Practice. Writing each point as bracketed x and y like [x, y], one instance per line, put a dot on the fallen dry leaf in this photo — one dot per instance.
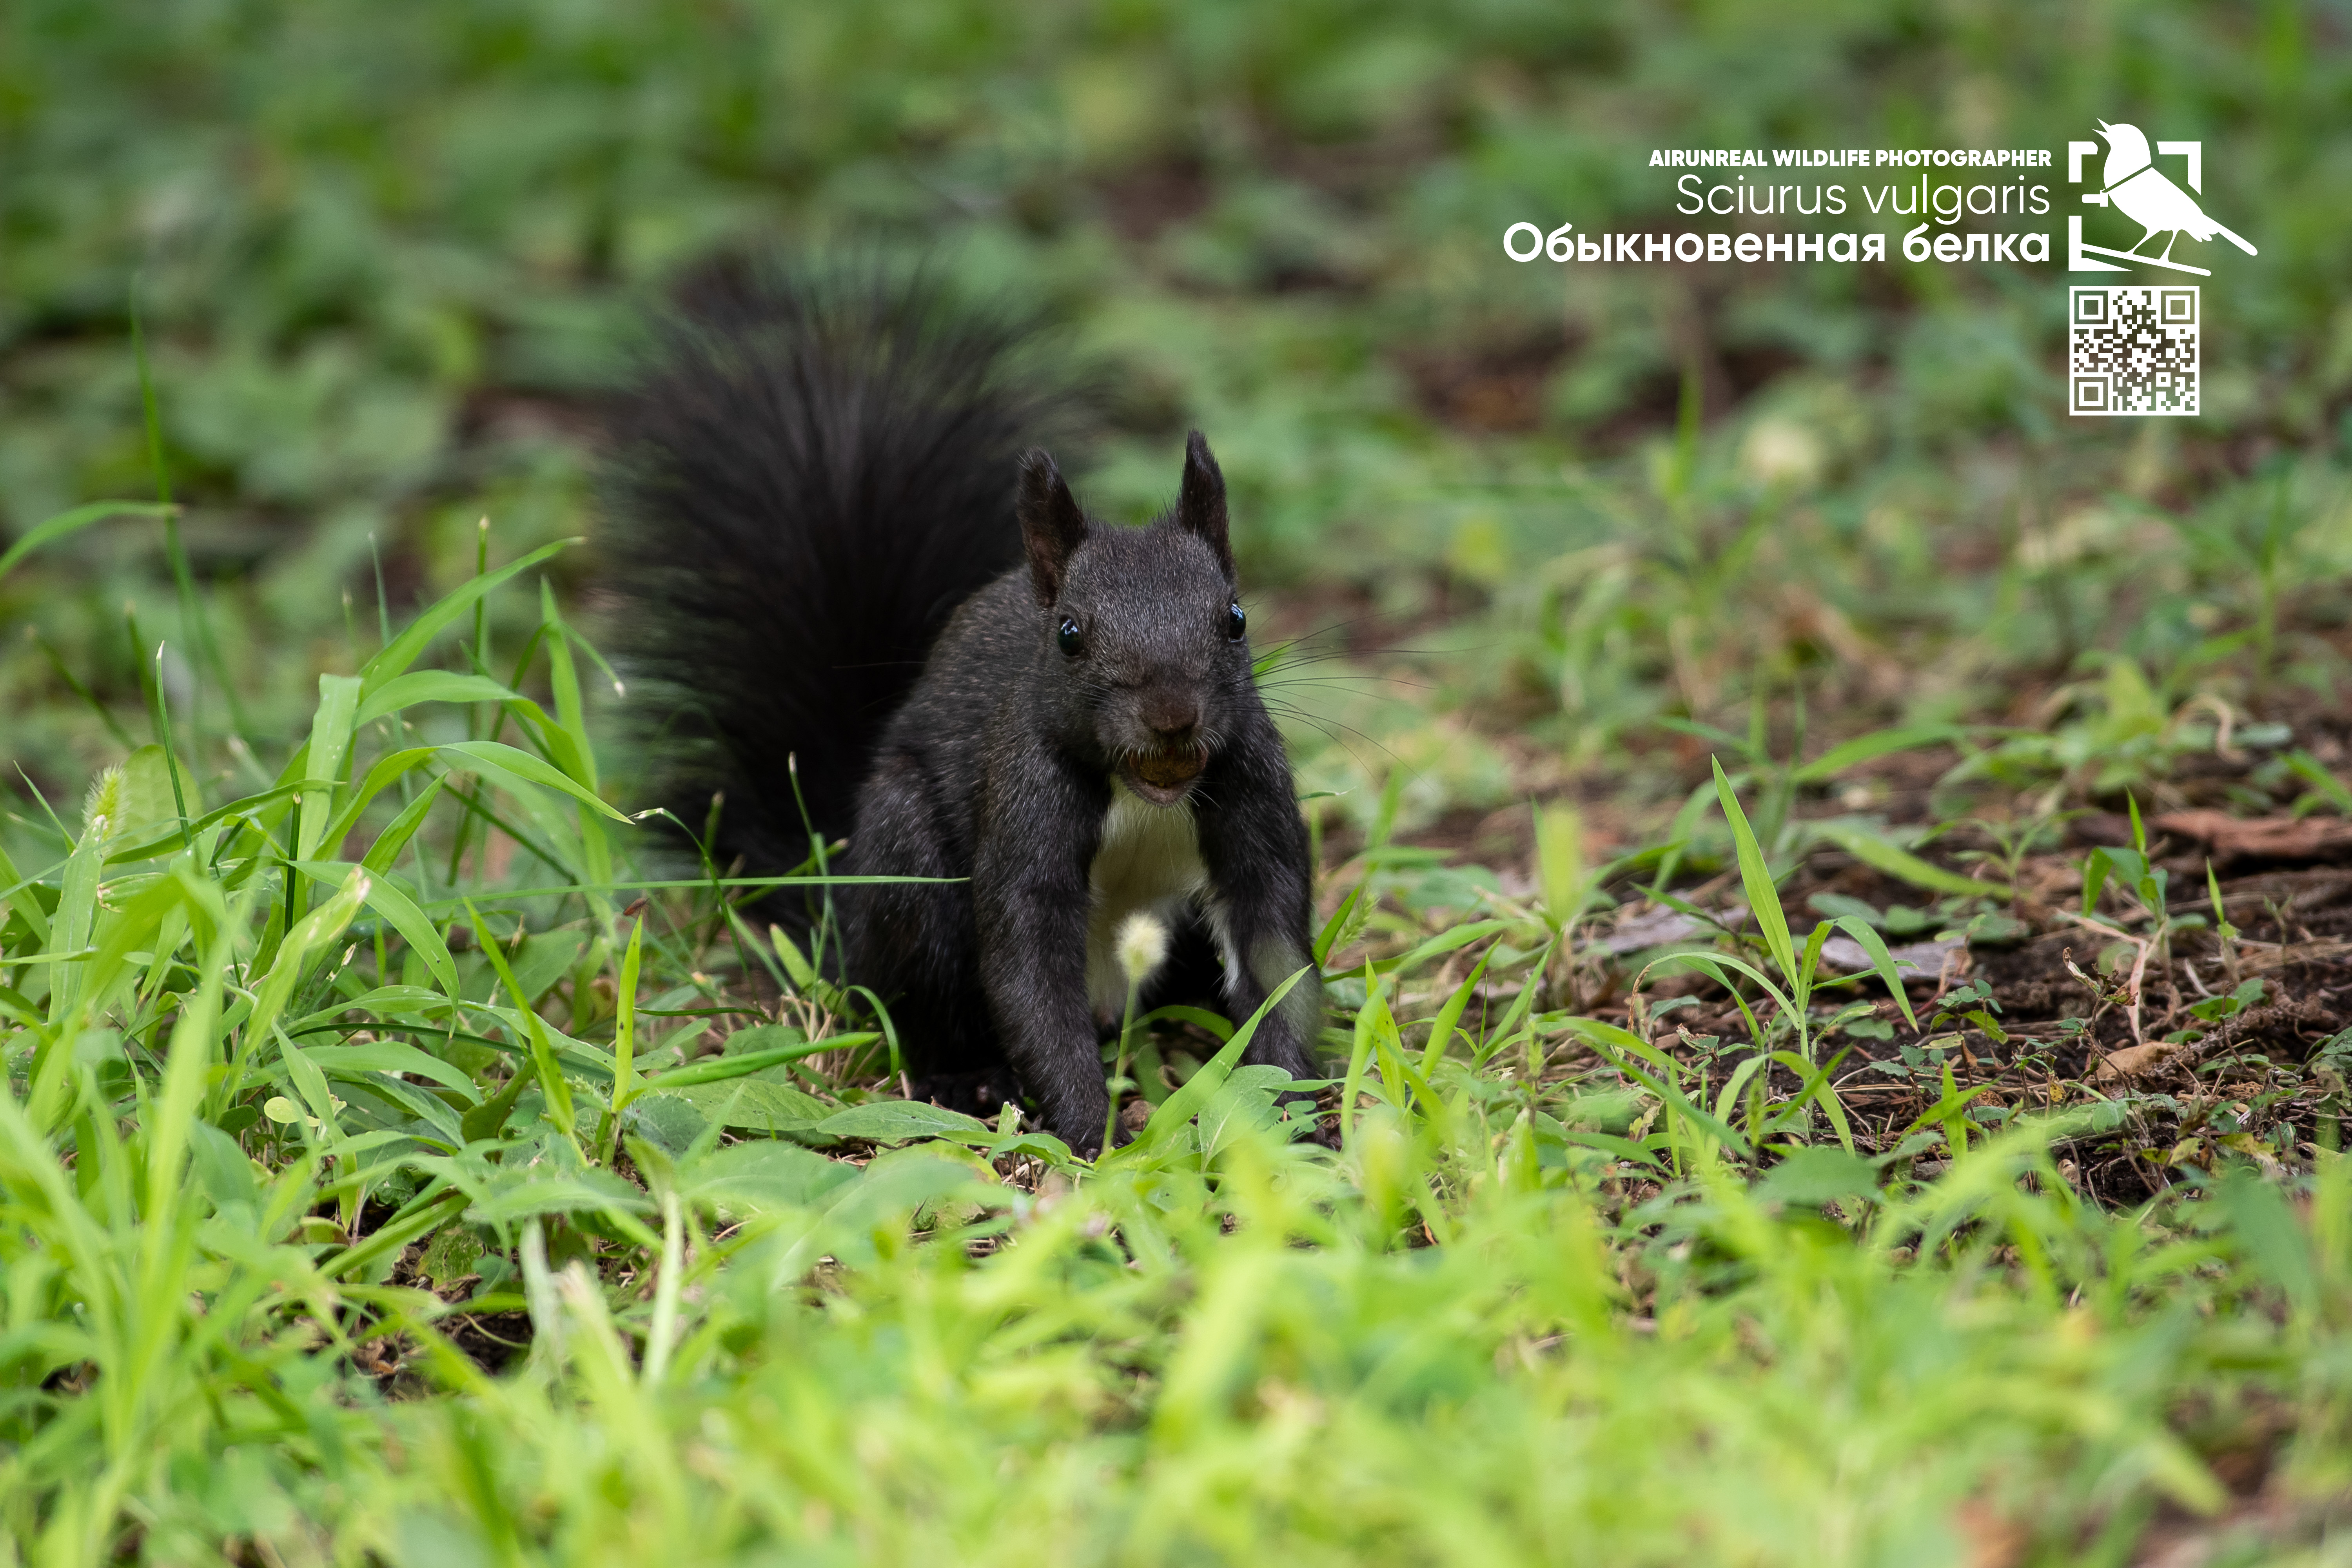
[2139, 1061]
[2234, 838]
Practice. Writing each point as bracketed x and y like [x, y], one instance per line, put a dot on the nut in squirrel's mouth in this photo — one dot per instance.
[1163, 777]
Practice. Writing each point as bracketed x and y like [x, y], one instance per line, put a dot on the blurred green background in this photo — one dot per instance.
[386, 255]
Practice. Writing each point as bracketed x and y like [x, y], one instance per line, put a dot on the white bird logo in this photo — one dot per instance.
[2135, 187]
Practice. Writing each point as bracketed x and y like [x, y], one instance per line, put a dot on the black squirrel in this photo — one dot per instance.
[832, 539]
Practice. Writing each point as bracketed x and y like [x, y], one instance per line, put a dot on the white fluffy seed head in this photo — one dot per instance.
[1142, 945]
[103, 809]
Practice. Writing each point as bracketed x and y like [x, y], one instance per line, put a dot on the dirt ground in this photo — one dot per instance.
[2184, 1044]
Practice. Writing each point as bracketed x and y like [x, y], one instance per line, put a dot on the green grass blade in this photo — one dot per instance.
[2326, 786]
[719, 1069]
[289, 967]
[551, 1082]
[1443, 942]
[331, 744]
[1881, 962]
[1181, 1106]
[1328, 937]
[564, 681]
[77, 902]
[1763, 896]
[410, 645]
[625, 1023]
[402, 828]
[1814, 1088]
[72, 520]
[1441, 1030]
[422, 686]
[1803, 988]
[388, 898]
[514, 769]
[1883, 854]
[1559, 864]
[1877, 743]
[15, 899]
[1609, 1041]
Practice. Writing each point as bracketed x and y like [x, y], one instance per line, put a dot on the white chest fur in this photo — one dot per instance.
[1149, 860]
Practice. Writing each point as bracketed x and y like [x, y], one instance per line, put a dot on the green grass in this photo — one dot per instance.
[263, 1102]
[399, 1167]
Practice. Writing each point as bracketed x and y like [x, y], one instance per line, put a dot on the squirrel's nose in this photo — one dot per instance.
[1171, 716]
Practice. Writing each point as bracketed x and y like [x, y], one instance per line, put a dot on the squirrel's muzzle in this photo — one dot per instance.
[1162, 775]
[1167, 769]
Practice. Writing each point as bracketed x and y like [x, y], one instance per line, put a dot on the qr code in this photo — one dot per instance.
[2132, 351]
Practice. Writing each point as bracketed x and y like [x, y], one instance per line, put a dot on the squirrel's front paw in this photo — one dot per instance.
[1090, 1147]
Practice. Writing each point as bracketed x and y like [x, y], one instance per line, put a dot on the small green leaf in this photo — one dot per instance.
[748, 1104]
[895, 1120]
[1812, 1176]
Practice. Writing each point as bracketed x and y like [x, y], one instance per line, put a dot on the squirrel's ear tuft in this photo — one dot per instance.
[1201, 503]
[1051, 524]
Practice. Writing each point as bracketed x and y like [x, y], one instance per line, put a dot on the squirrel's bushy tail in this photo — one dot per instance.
[811, 472]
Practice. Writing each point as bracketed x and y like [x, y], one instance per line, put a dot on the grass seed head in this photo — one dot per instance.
[1143, 946]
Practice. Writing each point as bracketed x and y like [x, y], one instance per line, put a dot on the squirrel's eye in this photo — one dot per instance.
[1068, 638]
[1236, 623]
